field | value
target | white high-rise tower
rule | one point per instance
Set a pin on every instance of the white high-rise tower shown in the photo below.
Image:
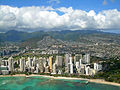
(11, 64)
(22, 64)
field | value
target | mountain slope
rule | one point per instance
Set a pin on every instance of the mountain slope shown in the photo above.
(67, 35)
(19, 36)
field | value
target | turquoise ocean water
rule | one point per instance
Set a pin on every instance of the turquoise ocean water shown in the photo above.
(41, 83)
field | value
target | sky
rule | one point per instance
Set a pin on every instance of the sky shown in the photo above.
(35, 15)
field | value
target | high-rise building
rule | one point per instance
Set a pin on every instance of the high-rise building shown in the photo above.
(45, 63)
(70, 60)
(11, 64)
(41, 67)
(67, 69)
(4, 69)
(59, 61)
(47, 69)
(37, 68)
(4, 62)
(67, 59)
(87, 70)
(80, 62)
(86, 59)
(82, 70)
(54, 68)
(97, 67)
(92, 71)
(70, 65)
(22, 64)
(71, 68)
(77, 57)
(29, 62)
(34, 58)
(77, 66)
(50, 63)
(34, 62)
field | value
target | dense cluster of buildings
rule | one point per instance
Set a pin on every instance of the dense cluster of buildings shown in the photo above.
(78, 64)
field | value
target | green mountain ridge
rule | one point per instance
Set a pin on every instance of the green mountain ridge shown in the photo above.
(83, 36)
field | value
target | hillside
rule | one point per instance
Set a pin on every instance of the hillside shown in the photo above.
(82, 36)
(19, 36)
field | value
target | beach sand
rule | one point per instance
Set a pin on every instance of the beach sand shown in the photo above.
(101, 81)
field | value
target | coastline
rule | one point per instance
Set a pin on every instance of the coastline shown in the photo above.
(100, 81)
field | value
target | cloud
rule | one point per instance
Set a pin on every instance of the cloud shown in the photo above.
(46, 18)
(65, 10)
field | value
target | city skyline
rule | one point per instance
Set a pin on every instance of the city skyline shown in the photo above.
(67, 64)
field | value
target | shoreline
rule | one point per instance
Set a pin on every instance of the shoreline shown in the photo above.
(100, 81)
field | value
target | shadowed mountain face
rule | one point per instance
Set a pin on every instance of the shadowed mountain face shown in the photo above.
(56, 37)
(43, 41)
(18, 36)
(48, 41)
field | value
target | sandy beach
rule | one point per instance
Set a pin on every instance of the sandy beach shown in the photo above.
(101, 81)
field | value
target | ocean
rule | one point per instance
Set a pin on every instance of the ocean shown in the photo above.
(42, 83)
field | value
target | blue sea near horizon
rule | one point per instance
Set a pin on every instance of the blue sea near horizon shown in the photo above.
(42, 83)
